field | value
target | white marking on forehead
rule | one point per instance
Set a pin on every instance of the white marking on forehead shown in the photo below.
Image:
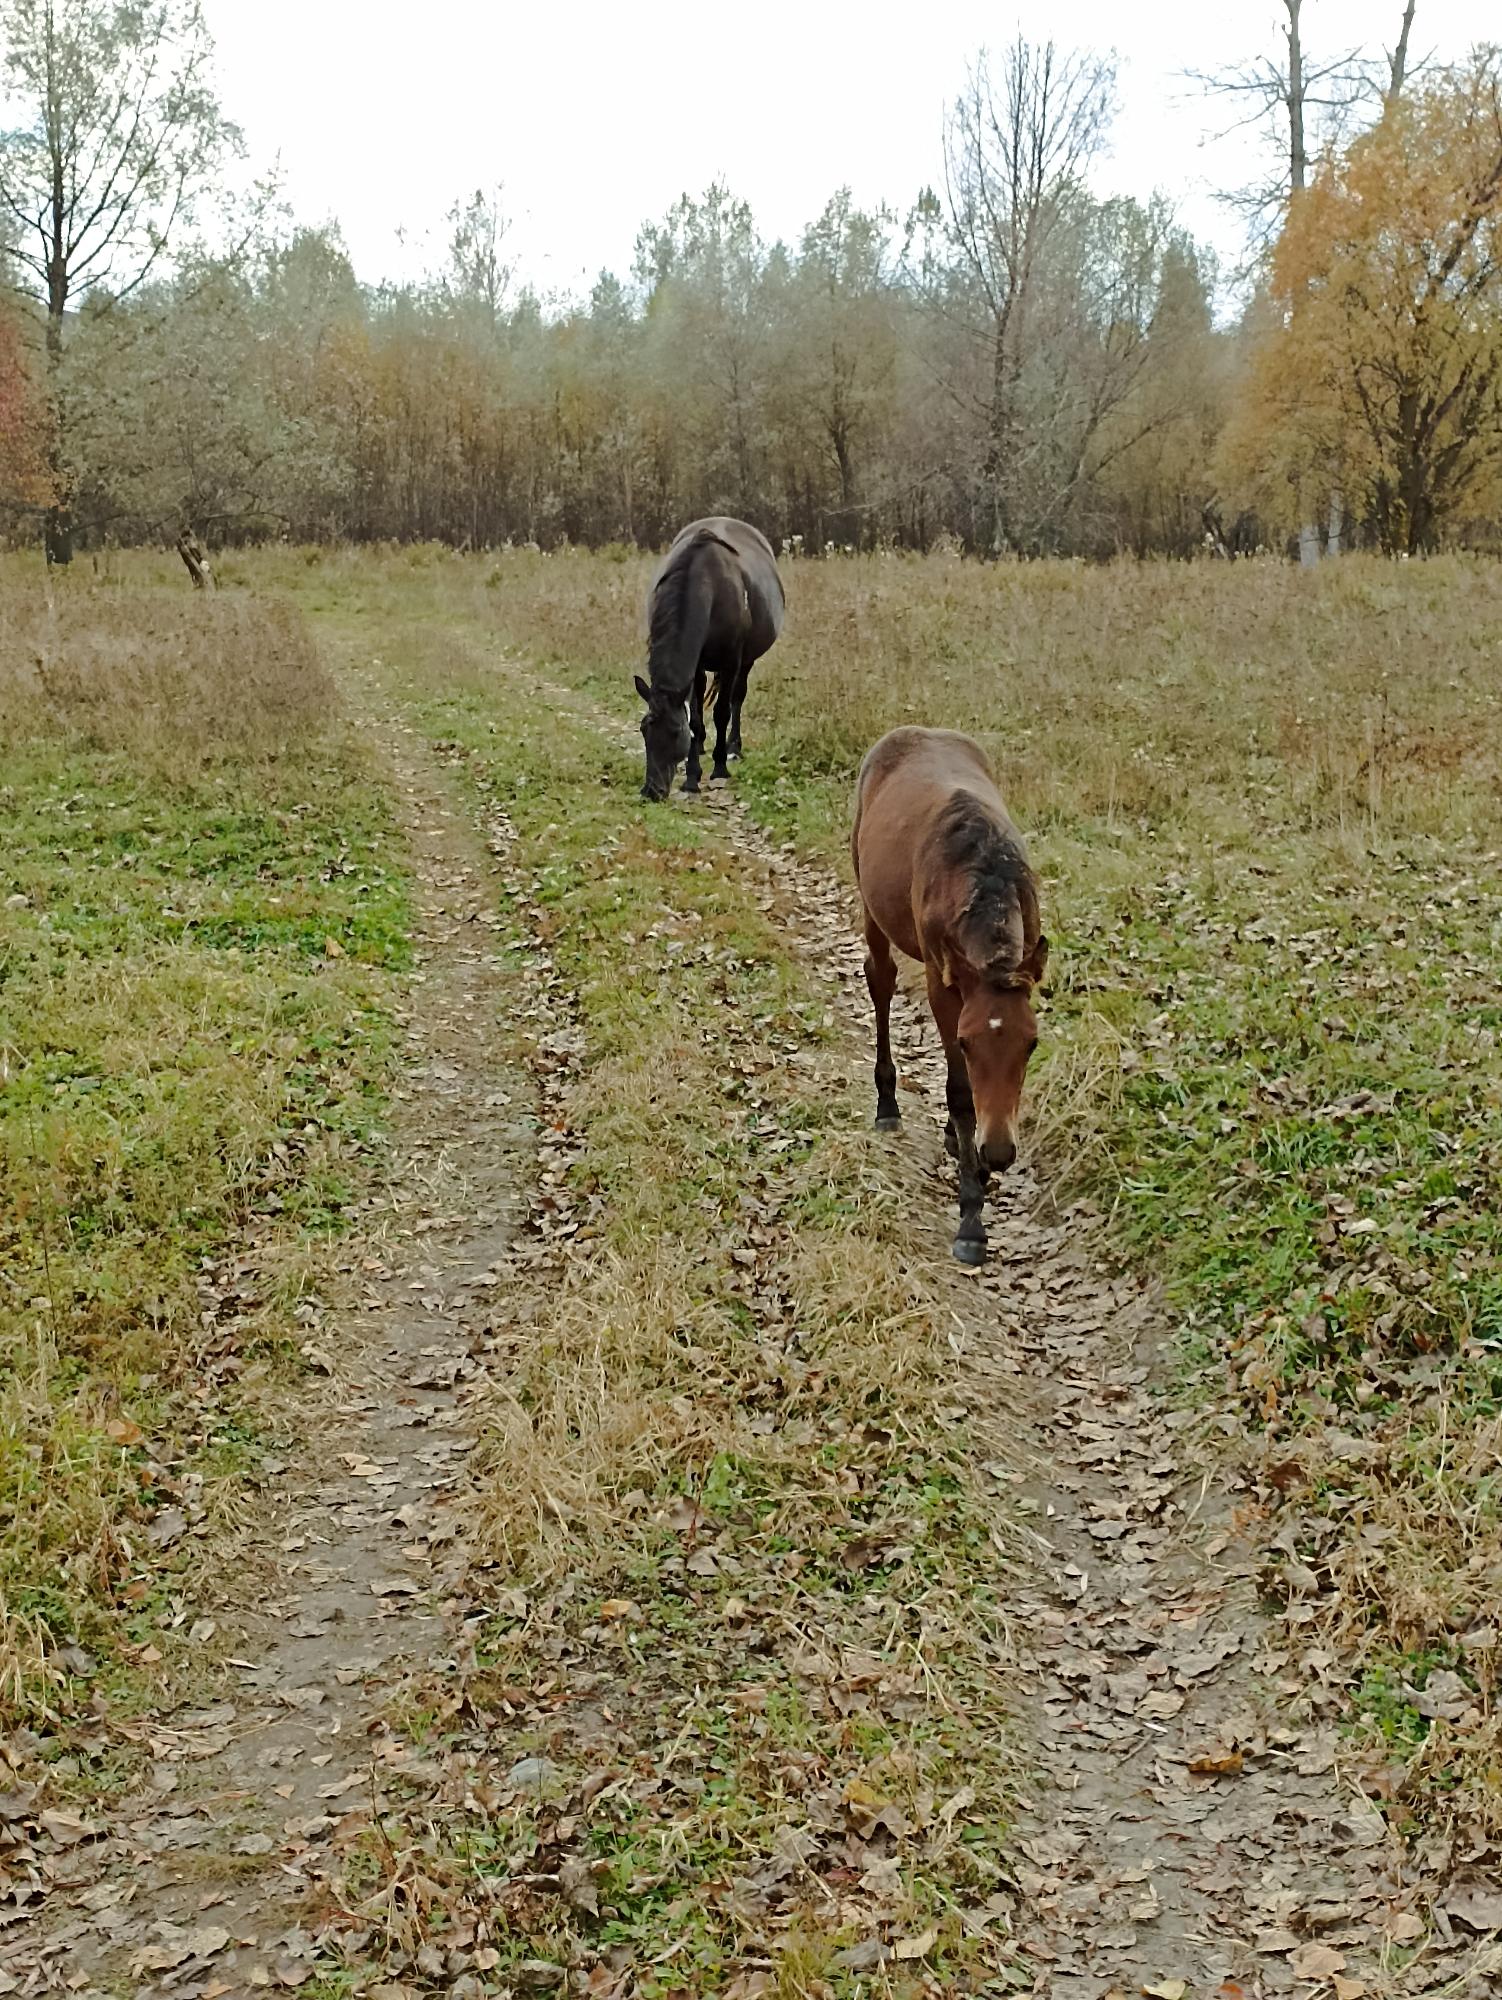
(996, 1023)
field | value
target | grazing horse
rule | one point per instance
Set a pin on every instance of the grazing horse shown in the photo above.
(716, 606)
(944, 878)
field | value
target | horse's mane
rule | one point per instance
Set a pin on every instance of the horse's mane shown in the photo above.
(999, 916)
(671, 591)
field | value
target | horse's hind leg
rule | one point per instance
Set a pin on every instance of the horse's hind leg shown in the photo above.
(881, 980)
(735, 711)
(695, 764)
(959, 1137)
(723, 701)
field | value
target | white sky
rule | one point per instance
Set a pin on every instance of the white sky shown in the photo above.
(597, 114)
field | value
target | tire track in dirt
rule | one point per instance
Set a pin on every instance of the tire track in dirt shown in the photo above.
(210, 1878)
(1191, 1831)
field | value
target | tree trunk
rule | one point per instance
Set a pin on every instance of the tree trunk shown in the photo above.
(1298, 161)
(195, 560)
(1298, 177)
(59, 524)
(1398, 61)
(1337, 523)
(999, 448)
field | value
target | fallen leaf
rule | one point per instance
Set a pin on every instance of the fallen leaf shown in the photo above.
(167, 1527)
(1476, 1902)
(332, 948)
(916, 1947)
(1217, 1763)
(1317, 1961)
(1168, 1989)
(1349, 1989)
(1160, 1705)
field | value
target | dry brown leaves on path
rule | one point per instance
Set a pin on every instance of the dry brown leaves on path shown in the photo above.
(212, 1877)
(1191, 1830)
(1187, 1832)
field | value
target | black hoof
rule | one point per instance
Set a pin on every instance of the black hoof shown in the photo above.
(968, 1251)
(721, 777)
(891, 1122)
(691, 784)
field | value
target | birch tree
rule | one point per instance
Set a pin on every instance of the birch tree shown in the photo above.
(117, 133)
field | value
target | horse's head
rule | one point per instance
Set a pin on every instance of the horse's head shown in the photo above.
(998, 1032)
(665, 733)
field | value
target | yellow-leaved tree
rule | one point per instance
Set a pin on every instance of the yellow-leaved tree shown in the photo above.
(1377, 360)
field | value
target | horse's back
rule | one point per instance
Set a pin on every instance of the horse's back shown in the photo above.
(926, 763)
(752, 550)
(907, 781)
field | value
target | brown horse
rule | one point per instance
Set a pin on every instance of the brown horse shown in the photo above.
(945, 879)
(716, 606)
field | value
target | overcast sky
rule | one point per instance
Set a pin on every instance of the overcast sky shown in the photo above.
(596, 115)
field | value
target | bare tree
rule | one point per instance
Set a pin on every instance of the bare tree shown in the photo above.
(120, 134)
(1016, 151)
(1295, 102)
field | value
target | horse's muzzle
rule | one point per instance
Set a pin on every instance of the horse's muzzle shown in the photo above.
(996, 1155)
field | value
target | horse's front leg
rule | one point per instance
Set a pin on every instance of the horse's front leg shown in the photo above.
(959, 1135)
(881, 982)
(723, 700)
(970, 1238)
(695, 765)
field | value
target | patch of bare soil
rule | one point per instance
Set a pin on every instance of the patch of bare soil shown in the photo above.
(1190, 1831)
(210, 1878)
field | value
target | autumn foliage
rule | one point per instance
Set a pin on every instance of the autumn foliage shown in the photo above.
(1377, 372)
(23, 465)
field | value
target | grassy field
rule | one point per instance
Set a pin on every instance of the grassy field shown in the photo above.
(201, 909)
(1268, 810)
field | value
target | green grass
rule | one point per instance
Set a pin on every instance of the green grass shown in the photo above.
(1268, 811)
(197, 955)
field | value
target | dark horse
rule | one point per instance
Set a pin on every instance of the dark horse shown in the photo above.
(944, 877)
(715, 607)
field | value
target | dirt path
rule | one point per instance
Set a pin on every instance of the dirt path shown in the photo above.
(210, 1879)
(1190, 1831)
(1188, 1835)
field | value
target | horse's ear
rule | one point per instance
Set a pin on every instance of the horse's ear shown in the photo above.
(1035, 965)
(642, 689)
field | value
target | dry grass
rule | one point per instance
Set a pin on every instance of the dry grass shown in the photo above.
(173, 681)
